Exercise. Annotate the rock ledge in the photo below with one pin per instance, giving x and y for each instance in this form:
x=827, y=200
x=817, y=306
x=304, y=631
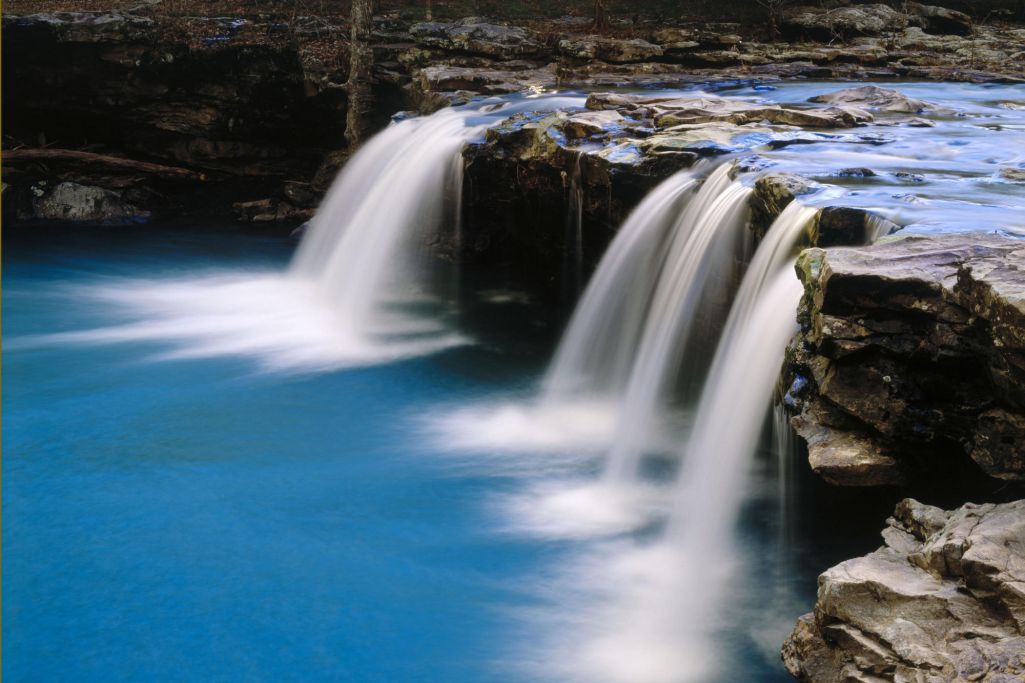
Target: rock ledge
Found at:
x=943, y=600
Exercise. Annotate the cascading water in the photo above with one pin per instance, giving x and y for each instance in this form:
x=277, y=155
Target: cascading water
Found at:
x=629, y=609
x=389, y=198
x=586, y=380
x=739, y=387
x=355, y=294
x=599, y=346
x=705, y=240
x=730, y=415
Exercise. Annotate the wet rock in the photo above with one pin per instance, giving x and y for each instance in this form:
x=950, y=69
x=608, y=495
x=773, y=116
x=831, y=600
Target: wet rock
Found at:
x=475, y=35
x=709, y=139
x=330, y=166
x=126, y=87
x=942, y=600
x=270, y=211
x=300, y=194
x=590, y=123
x=856, y=173
x=773, y=192
x=673, y=111
x=1013, y=173
x=75, y=203
x=845, y=458
x=607, y=49
x=844, y=226
x=875, y=97
x=915, y=349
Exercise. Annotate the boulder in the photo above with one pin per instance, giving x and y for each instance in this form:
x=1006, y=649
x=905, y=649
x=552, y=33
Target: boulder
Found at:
x=606, y=49
x=912, y=350
x=942, y=20
x=475, y=35
x=942, y=600
x=773, y=192
x=586, y=124
x=1013, y=173
x=75, y=203
x=874, y=97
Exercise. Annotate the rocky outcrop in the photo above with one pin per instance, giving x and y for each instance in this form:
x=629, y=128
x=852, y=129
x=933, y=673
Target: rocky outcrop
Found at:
x=832, y=23
x=911, y=359
x=606, y=49
x=74, y=203
x=943, y=600
x=477, y=36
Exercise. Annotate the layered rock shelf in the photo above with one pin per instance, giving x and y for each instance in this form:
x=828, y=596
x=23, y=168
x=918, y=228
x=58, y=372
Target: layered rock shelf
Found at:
x=911, y=360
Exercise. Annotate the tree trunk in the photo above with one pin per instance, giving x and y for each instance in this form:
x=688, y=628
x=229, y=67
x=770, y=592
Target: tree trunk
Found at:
x=600, y=20
x=430, y=16
x=361, y=66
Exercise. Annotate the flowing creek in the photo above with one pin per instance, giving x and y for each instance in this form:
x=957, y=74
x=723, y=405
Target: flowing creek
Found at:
x=357, y=462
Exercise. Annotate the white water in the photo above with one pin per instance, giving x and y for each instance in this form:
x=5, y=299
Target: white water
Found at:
x=358, y=291
x=626, y=610
x=697, y=270
x=576, y=411
x=600, y=343
x=389, y=201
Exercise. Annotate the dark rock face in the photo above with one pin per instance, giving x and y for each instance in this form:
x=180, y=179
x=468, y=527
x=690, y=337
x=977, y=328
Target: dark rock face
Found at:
x=114, y=83
x=943, y=600
x=911, y=359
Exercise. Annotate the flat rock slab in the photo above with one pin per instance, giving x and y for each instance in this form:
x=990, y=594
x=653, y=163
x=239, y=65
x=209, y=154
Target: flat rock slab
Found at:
x=875, y=97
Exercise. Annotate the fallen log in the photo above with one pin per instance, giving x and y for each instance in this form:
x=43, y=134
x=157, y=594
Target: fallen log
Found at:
x=111, y=163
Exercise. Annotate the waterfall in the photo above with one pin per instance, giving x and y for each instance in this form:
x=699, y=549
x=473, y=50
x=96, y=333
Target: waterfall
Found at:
x=739, y=387
x=388, y=200
x=704, y=243
x=599, y=346
x=731, y=412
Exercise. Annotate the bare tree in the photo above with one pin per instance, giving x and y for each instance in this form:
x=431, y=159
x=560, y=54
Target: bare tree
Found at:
x=774, y=8
x=600, y=18
x=361, y=66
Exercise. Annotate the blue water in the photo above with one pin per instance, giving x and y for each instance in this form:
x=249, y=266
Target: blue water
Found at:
x=203, y=519
x=195, y=520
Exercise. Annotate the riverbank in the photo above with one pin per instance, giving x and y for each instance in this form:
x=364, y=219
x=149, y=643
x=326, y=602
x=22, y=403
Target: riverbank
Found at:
x=158, y=111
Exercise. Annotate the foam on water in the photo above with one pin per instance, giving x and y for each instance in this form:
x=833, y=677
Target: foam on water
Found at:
x=277, y=321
